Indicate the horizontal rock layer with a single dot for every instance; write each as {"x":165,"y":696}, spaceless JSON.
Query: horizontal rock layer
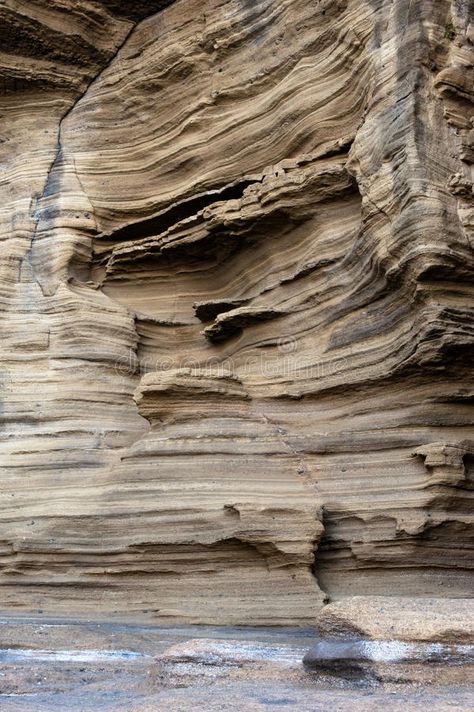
{"x":236,"y":294}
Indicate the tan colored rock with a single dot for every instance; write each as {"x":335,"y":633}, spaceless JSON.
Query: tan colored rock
{"x":236,"y":297}
{"x":397,"y":618}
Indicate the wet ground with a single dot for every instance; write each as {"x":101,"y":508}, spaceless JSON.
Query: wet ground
{"x":94,"y":666}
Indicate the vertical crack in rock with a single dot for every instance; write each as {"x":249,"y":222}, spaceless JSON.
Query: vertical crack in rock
{"x":52,"y":185}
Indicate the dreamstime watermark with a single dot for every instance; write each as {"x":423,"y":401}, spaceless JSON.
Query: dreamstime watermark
{"x":286,"y":362}
{"x":287,"y":345}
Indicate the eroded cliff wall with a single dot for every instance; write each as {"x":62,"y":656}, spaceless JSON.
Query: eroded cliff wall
{"x":236,"y":305}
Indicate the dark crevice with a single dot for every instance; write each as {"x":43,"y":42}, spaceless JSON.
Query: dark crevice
{"x":309,"y":268}
{"x":235,"y":323}
{"x":319,"y":545}
{"x":341,"y":148}
{"x":208,"y":311}
{"x":160,"y":223}
{"x":136,"y":10}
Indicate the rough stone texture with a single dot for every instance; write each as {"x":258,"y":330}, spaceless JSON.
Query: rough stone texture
{"x":86,"y":667}
{"x":384,"y":618}
{"x":236,"y":300}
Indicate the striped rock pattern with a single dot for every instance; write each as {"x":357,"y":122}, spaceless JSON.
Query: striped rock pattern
{"x":236,"y":297}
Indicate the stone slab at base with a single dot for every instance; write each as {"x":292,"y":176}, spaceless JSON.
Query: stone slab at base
{"x":444,"y":620}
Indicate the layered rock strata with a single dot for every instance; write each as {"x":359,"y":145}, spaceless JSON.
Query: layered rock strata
{"x":236,"y":297}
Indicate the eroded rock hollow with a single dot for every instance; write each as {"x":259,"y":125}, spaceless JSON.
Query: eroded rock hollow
{"x":236,"y":304}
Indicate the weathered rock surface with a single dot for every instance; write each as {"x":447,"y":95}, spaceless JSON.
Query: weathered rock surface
{"x":394,"y":638}
{"x":414,"y":620}
{"x":236,"y":297}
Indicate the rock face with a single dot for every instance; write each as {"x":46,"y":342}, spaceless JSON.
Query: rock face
{"x":236,"y":298}
{"x":427,"y":620}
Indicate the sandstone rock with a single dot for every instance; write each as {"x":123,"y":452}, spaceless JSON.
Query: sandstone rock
{"x":236,"y":296}
{"x":450,"y":621}
{"x":394,"y":638}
